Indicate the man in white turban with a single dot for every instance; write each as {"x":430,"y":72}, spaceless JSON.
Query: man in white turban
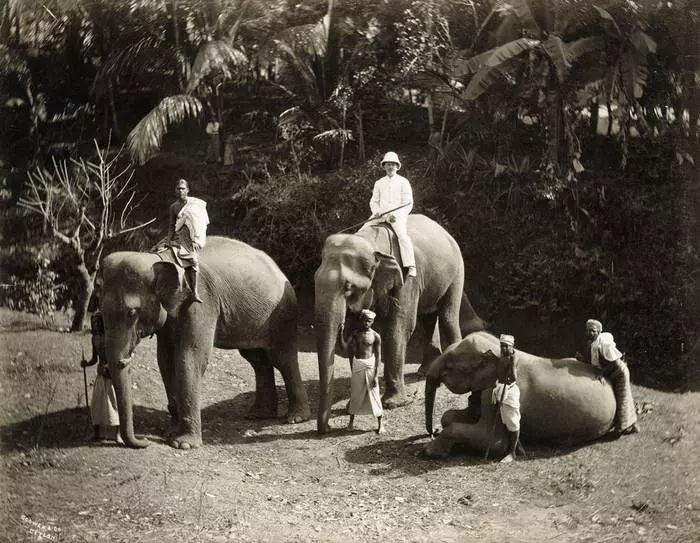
{"x":188,"y":232}
{"x":364,"y":348}
{"x":390,"y":192}
{"x":603,"y":354}
{"x":506,"y":395}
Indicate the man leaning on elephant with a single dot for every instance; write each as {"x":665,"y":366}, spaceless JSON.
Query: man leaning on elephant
{"x":603,"y":354}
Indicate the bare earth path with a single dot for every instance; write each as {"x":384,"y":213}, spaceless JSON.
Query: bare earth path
{"x":268,"y":481}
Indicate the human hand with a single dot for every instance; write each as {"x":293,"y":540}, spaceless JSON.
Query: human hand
{"x":392,"y":218}
{"x":578,"y":356}
{"x":84,"y":363}
{"x":601,"y":377}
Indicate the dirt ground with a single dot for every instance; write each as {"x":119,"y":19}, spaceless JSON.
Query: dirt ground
{"x":269,"y":481}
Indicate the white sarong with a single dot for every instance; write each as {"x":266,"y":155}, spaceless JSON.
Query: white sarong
{"x":364,"y":391}
{"x":103,"y":407}
{"x":510,"y":406}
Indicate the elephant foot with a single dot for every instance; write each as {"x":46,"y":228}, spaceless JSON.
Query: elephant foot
{"x":437,"y":448}
{"x":185,"y":442}
{"x":262,"y":412}
{"x":298,"y":415}
{"x":397,"y":400}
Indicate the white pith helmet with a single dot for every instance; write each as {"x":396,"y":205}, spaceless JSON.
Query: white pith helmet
{"x":391,"y":156}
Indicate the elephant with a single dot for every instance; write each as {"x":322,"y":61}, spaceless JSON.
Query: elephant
{"x":561,"y":400}
{"x":358,"y":272}
{"x":247,"y":304}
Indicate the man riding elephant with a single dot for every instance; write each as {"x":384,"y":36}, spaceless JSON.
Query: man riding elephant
{"x":392,"y":201}
{"x":187,"y":232}
{"x":360,"y":271}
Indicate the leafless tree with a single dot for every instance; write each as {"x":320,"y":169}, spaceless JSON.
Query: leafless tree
{"x":83,"y":204}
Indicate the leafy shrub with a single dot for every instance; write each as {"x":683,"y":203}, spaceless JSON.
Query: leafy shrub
{"x":30,"y":282}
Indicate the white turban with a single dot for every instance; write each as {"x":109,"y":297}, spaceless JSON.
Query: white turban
{"x":595,"y":324}
{"x":508,"y":340}
{"x":367,"y":313}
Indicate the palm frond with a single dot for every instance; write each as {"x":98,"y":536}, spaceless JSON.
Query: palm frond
{"x":494,"y":57}
{"x":489,"y":66}
{"x":215,"y":56}
{"x":643,"y":43}
{"x":556,"y":49}
{"x":148,"y":55}
{"x":147,"y":136}
{"x":521,"y":10}
{"x":483,"y":81}
{"x":578,"y":48}
{"x":634,"y":73}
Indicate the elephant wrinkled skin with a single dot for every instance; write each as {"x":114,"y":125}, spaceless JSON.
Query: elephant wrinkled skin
{"x":561,"y":400}
{"x":357,"y":273}
{"x":248,"y":304}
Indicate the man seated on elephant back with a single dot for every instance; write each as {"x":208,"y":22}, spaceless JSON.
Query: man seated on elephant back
{"x":603,"y":353}
{"x":188,"y":232}
{"x":391,"y":192}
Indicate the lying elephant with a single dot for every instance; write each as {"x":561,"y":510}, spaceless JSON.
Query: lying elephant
{"x":248,"y":304}
{"x":561,"y":401}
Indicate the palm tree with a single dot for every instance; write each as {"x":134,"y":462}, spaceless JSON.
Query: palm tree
{"x":545,"y":51}
{"x":191,"y":81}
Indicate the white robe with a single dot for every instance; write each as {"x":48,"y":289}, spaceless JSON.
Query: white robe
{"x":604,"y":345}
{"x":194,"y":216}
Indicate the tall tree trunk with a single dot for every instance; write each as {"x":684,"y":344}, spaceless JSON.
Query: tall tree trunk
{"x":82,"y":299}
{"x":360,"y":131}
{"x":595,"y":115}
{"x":176,"y":27}
{"x":557,"y":133}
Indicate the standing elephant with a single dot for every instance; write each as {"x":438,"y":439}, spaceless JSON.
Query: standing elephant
{"x":358,"y":272}
{"x":560,"y":400}
{"x":247,"y":304}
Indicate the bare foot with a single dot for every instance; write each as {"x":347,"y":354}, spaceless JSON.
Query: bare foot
{"x":507,"y":459}
{"x":381,"y":430}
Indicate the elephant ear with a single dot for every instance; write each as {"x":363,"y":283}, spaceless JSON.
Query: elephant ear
{"x":387,"y":275}
{"x":168,"y":285}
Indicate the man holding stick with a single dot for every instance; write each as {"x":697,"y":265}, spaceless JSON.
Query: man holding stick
{"x":392,"y":201}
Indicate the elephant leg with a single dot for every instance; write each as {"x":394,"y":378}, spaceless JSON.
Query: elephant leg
{"x":441,"y":446}
{"x":427,"y":322}
{"x":265,"y":404}
{"x":448,"y":314}
{"x":464,"y":416}
{"x":394,"y":359}
{"x":191,"y":357}
{"x":286,"y":360}
{"x":165,"y":364}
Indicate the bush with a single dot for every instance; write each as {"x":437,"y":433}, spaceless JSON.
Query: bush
{"x":30,"y":283}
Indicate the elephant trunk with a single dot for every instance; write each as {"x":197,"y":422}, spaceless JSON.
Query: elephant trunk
{"x":431,"y":386}
{"x":122,"y":387}
{"x":327,"y":322}
{"x":119,"y":373}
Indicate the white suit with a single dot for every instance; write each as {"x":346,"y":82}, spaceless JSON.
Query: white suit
{"x":389,"y":193}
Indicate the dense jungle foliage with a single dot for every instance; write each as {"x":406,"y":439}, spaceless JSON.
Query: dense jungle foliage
{"x":555,"y":139}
